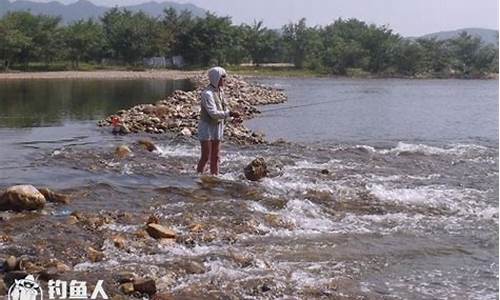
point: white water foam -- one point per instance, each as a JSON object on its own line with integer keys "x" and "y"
{"x": 455, "y": 149}
{"x": 177, "y": 151}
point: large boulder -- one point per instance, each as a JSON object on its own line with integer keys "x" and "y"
{"x": 22, "y": 197}
{"x": 256, "y": 170}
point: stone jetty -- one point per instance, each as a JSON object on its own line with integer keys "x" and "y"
{"x": 179, "y": 113}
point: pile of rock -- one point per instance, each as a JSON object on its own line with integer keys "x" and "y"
{"x": 179, "y": 113}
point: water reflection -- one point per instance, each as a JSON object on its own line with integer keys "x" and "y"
{"x": 33, "y": 103}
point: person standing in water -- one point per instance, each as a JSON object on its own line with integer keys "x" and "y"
{"x": 212, "y": 115}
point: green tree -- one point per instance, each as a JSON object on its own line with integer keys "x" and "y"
{"x": 343, "y": 48}
{"x": 131, "y": 36}
{"x": 408, "y": 58}
{"x": 263, "y": 45}
{"x": 173, "y": 26}
{"x": 380, "y": 42}
{"x": 84, "y": 40}
{"x": 465, "y": 49}
{"x": 435, "y": 55}
{"x": 208, "y": 42}
{"x": 12, "y": 42}
{"x": 297, "y": 38}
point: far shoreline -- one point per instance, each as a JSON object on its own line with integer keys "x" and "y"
{"x": 101, "y": 74}
{"x": 180, "y": 75}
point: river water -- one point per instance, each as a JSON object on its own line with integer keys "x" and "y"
{"x": 387, "y": 189}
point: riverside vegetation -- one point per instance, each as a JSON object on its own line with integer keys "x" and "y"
{"x": 345, "y": 47}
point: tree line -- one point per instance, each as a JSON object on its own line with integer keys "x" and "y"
{"x": 342, "y": 47}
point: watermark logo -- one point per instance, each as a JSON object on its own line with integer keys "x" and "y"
{"x": 29, "y": 289}
{"x": 25, "y": 289}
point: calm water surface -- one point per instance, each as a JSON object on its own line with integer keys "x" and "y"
{"x": 408, "y": 209}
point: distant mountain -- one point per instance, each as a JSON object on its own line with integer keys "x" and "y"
{"x": 83, "y": 9}
{"x": 488, "y": 36}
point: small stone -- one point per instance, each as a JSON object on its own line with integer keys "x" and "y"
{"x": 186, "y": 132}
{"x": 325, "y": 172}
{"x": 54, "y": 197}
{"x": 4, "y": 238}
{"x": 22, "y": 197}
{"x": 122, "y": 151}
{"x": 147, "y": 286}
{"x": 127, "y": 288}
{"x": 119, "y": 241}
{"x": 71, "y": 220}
{"x": 196, "y": 228}
{"x": 158, "y": 231}
{"x": 94, "y": 255}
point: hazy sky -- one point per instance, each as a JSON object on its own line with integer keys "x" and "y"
{"x": 407, "y": 17}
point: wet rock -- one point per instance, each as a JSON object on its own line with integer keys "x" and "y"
{"x": 30, "y": 267}
{"x": 158, "y": 231}
{"x": 22, "y": 197}
{"x": 10, "y": 264}
{"x": 51, "y": 196}
{"x": 186, "y": 132}
{"x": 124, "y": 277}
{"x": 191, "y": 267}
{"x": 3, "y": 287}
{"x": 256, "y": 170}
{"x": 94, "y": 255}
{"x": 148, "y": 145}
{"x": 325, "y": 172}
{"x": 71, "y": 220}
{"x": 146, "y": 286}
{"x": 122, "y": 151}
{"x": 14, "y": 275}
{"x": 163, "y": 296}
{"x": 141, "y": 234}
{"x": 127, "y": 288}
{"x": 4, "y": 238}
{"x": 153, "y": 219}
{"x": 48, "y": 274}
{"x": 60, "y": 266}
{"x": 121, "y": 129}
{"x": 196, "y": 228}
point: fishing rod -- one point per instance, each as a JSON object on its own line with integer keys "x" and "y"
{"x": 308, "y": 104}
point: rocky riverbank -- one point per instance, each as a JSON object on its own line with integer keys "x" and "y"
{"x": 179, "y": 112}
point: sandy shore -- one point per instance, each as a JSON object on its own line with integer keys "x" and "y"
{"x": 104, "y": 74}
